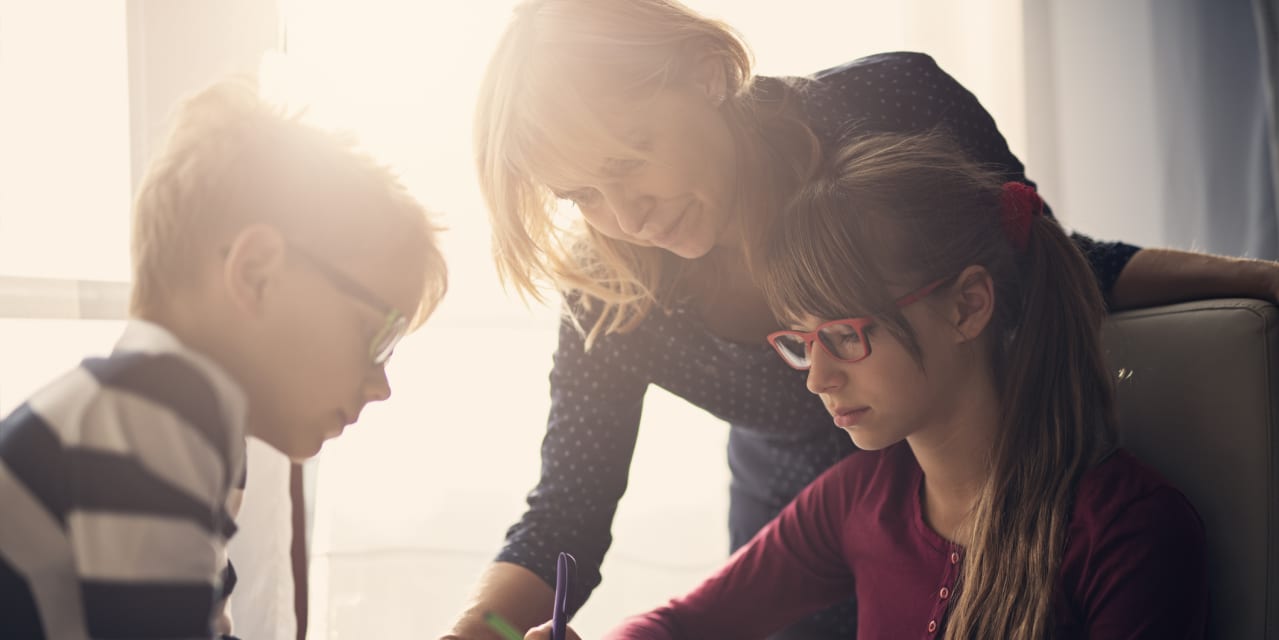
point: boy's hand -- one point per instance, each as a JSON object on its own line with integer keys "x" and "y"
{"x": 543, "y": 632}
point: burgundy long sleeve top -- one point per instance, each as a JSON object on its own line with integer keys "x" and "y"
{"x": 1133, "y": 565}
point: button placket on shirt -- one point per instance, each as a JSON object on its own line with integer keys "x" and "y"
{"x": 944, "y": 591}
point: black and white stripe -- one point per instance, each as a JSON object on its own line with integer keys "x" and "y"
{"x": 114, "y": 485}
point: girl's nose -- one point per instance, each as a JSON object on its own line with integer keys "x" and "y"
{"x": 824, "y": 375}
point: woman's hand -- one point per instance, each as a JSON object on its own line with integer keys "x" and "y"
{"x": 1165, "y": 276}
{"x": 518, "y": 594}
{"x": 543, "y": 632}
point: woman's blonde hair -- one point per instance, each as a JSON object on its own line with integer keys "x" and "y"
{"x": 233, "y": 158}
{"x": 906, "y": 210}
{"x": 560, "y": 66}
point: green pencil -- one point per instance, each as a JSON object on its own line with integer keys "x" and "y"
{"x": 500, "y": 625}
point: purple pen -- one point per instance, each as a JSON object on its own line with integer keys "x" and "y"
{"x": 565, "y": 572}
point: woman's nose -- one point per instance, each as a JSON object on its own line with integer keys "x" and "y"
{"x": 631, "y": 209}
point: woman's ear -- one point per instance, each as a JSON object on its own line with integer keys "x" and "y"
{"x": 709, "y": 78}
{"x": 254, "y": 260}
{"x": 973, "y": 300}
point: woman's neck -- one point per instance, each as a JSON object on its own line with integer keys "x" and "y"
{"x": 726, "y": 298}
{"x": 764, "y": 166}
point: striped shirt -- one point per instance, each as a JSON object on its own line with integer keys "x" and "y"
{"x": 118, "y": 485}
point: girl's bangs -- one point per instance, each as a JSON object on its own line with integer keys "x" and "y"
{"x": 825, "y": 271}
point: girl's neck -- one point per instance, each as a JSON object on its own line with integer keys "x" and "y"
{"x": 955, "y": 457}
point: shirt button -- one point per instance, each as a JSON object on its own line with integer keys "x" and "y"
{"x": 954, "y": 557}
{"x": 945, "y": 593}
{"x": 932, "y": 626}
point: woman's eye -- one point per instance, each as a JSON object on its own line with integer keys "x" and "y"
{"x": 622, "y": 166}
{"x": 581, "y": 197}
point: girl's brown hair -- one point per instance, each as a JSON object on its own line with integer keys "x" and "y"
{"x": 906, "y": 210}
{"x": 558, "y": 67}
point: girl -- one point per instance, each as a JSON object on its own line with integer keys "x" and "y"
{"x": 646, "y": 116}
{"x": 953, "y": 333}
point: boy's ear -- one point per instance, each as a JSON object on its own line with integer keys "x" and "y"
{"x": 973, "y": 299}
{"x": 253, "y": 262}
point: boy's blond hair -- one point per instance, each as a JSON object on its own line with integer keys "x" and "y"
{"x": 233, "y": 159}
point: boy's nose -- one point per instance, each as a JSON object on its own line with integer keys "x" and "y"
{"x": 376, "y": 387}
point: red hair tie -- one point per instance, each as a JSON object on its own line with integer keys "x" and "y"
{"x": 1018, "y": 205}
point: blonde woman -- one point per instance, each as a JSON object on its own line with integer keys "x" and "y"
{"x": 646, "y": 117}
{"x": 954, "y": 333}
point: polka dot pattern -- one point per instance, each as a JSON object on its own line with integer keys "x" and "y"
{"x": 596, "y": 399}
{"x": 781, "y": 437}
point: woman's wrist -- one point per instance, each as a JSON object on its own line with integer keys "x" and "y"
{"x": 1164, "y": 276}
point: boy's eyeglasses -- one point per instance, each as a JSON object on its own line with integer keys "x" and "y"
{"x": 394, "y": 327}
{"x": 845, "y": 340}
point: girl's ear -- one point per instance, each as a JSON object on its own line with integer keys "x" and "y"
{"x": 253, "y": 263}
{"x": 973, "y": 300}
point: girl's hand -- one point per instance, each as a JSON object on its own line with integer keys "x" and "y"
{"x": 543, "y": 632}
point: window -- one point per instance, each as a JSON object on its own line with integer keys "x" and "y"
{"x": 64, "y": 187}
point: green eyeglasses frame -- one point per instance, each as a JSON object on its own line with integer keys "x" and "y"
{"x": 394, "y": 327}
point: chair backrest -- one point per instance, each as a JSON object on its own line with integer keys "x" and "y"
{"x": 1198, "y": 399}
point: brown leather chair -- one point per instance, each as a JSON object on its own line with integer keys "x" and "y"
{"x": 1198, "y": 396}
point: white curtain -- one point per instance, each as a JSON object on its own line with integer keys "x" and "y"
{"x": 1152, "y": 121}
{"x": 261, "y": 606}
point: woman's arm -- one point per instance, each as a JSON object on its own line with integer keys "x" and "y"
{"x": 1164, "y": 276}
{"x": 596, "y": 399}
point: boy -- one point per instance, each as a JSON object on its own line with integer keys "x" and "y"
{"x": 275, "y": 268}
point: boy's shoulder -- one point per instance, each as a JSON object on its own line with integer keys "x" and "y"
{"x": 127, "y": 452}
{"x": 149, "y": 405}
{"x": 167, "y": 381}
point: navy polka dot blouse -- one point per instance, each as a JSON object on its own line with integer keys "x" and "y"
{"x": 780, "y": 437}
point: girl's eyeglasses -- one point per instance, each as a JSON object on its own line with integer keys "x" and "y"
{"x": 845, "y": 340}
{"x": 395, "y": 325}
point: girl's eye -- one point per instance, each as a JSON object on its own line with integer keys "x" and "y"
{"x": 867, "y": 331}
{"x": 841, "y": 334}
{"x": 850, "y": 338}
